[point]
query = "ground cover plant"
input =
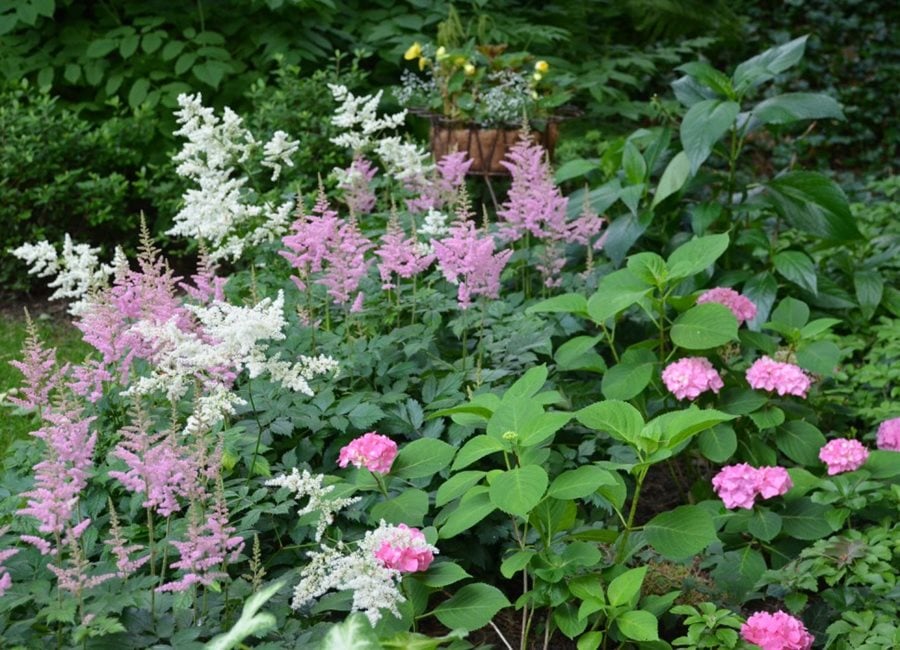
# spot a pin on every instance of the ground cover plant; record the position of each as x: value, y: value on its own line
x: 613, y: 418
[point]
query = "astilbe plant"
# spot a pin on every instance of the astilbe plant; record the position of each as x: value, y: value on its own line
x: 40, y: 370
x: 400, y: 255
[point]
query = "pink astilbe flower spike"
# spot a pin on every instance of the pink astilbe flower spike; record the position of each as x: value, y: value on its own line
x: 356, y: 183
x: 207, y: 547
x: 61, y: 476
x: 40, y: 371
x: 778, y: 631
x: 86, y: 380
x: 888, y: 436
x: 689, y: 377
x: 347, y: 263
x: 121, y: 548
x: 784, y: 378
x: 741, y: 306
x: 313, y: 236
x: 159, y: 466
x: 843, y: 455
x: 399, y: 254
x: 443, y: 188
x: 74, y: 575
x: 5, y: 578
x: 373, y: 451
x: 207, y: 286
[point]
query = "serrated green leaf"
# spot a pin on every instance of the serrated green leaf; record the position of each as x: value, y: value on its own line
x: 409, y: 507
x: 703, y: 125
x: 580, y: 482
x: 798, y: 268
x: 703, y: 327
x: 617, y: 418
x: 626, y: 588
x: 680, y: 533
x: 474, y: 449
x: 673, y: 178
x: 517, y: 491
x: 638, y: 625
x: 423, y: 457
x: 471, y: 608
x: 696, y: 255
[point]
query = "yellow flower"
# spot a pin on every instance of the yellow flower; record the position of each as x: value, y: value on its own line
x: 422, y: 62
x: 537, y: 76
x: 414, y: 52
x: 441, y: 53
x: 469, y: 69
x: 541, y: 66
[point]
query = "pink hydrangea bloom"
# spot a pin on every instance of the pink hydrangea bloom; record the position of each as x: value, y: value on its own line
x: 736, y: 485
x: 784, y: 378
x: 843, y: 455
x: 778, y: 631
x: 689, y: 377
x: 372, y: 450
x: 889, y: 435
x: 772, y: 481
x: 407, y: 551
x: 741, y: 306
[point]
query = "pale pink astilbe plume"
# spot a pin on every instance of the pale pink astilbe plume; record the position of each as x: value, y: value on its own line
x: 207, y: 286
x: 39, y: 543
x: 86, y: 380
x: 63, y: 473
x: 467, y: 259
x: 40, y: 370
x: 160, y: 466
x: 372, y: 450
x: 443, y: 187
x: 5, y: 577
x: 888, y: 436
x: 784, y: 378
x: 314, y: 235
x: 741, y: 306
x: 347, y: 263
x: 73, y: 575
x: 778, y: 631
x: 206, y: 548
x: 120, y: 547
x: 356, y: 182
x: 534, y: 204
x: 843, y: 455
x: 405, y: 549
x: 400, y: 254
x: 689, y: 377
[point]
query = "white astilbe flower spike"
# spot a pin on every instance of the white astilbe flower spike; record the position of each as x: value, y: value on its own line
x: 217, y: 211
x: 229, y: 339
x: 77, y: 269
x: 306, y: 485
x: 405, y: 161
x: 277, y: 153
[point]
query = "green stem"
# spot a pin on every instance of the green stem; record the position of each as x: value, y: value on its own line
x: 152, y: 544
x: 258, y: 431
x: 623, y: 544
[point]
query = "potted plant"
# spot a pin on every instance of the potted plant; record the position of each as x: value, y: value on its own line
x: 478, y: 97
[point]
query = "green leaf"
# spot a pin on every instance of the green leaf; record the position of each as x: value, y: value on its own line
x: 816, y: 327
x: 820, y: 357
x: 767, y: 418
x: 542, y: 427
x: 738, y: 571
x: 172, y: 49
x: 803, y: 519
x: 626, y: 588
x: 718, y: 444
x: 676, y: 174
x: 423, y: 457
x: 100, y: 48
x: 617, y: 418
x: 409, y: 507
x: 472, y: 508
x: 568, y: 303
x: 574, y: 169
x: 675, y: 427
x: 703, y: 125
x: 615, y: 292
x: 210, y: 72
x: 356, y: 632
x: 441, y: 574
x: 129, y: 45
x: 580, y: 482
x: 792, y: 107
x: 578, y: 353
x: 471, y: 608
x: 761, y: 289
x: 764, y: 524
x: 696, y: 255
x: 528, y: 384
x: 765, y: 66
x: 151, y: 42
x: 457, y: 485
x: 628, y: 378
x: 869, y: 287
x: 704, y: 326
x: 709, y: 77
x: 680, y: 533
x: 517, y: 491
x: 798, y: 268
x: 638, y: 625
x: 813, y: 203
x: 516, y: 562
x: 649, y: 267
x: 800, y: 441
x: 633, y: 164
x: 184, y: 63
x: 589, y: 641
x: 138, y: 92
x: 363, y: 416
x: 791, y: 314
x: 253, y: 624
x: 474, y: 449
x: 741, y: 401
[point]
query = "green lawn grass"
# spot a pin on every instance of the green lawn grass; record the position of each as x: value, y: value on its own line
x: 55, y: 331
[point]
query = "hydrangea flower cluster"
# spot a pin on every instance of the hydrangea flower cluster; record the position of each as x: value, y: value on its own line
x: 778, y: 631
x: 742, y: 307
x: 784, y: 378
x: 843, y: 455
x: 888, y: 436
x: 373, y: 451
x: 739, y: 485
x: 689, y: 377
x: 405, y: 549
